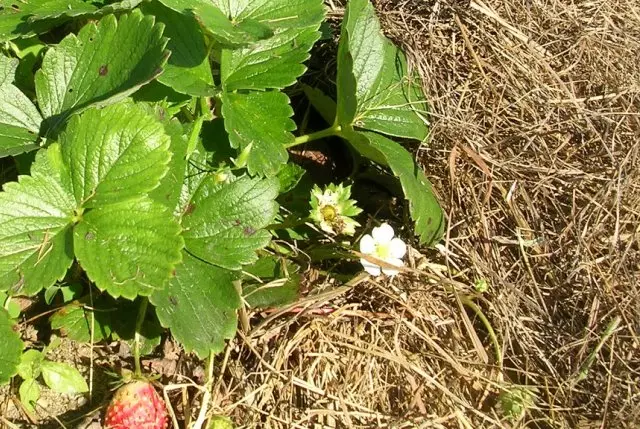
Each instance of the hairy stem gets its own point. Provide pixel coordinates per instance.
(204, 114)
(331, 131)
(142, 311)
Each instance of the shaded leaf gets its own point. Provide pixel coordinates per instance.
(423, 204)
(74, 321)
(188, 70)
(323, 104)
(69, 292)
(198, 306)
(10, 348)
(17, 19)
(280, 282)
(28, 17)
(130, 248)
(290, 176)
(103, 64)
(123, 324)
(273, 294)
(225, 221)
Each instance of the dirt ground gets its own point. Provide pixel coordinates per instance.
(534, 150)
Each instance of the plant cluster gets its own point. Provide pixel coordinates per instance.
(151, 145)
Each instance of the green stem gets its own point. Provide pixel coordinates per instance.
(492, 334)
(204, 113)
(331, 131)
(142, 312)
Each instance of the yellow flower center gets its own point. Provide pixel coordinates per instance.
(383, 250)
(328, 213)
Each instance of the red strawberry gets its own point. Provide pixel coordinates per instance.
(136, 405)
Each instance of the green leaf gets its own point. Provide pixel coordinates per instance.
(10, 348)
(280, 282)
(35, 220)
(290, 176)
(375, 91)
(114, 154)
(103, 64)
(28, 17)
(360, 57)
(273, 294)
(8, 67)
(19, 118)
(129, 248)
(397, 106)
(30, 52)
(197, 169)
(123, 324)
(275, 62)
(74, 321)
(63, 378)
(168, 192)
(224, 223)
(30, 364)
(423, 204)
(323, 104)
(29, 393)
(18, 18)
(167, 98)
(218, 24)
(262, 119)
(199, 306)
(69, 292)
(280, 286)
(188, 70)
(13, 307)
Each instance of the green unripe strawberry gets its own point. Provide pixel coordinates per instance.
(136, 405)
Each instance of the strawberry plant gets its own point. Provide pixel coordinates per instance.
(151, 143)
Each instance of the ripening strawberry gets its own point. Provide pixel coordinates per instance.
(136, 405)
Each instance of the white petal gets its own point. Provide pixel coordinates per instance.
(391, 271)
(326, 227)
(397, 248)
(367, 244)
(372, 269)
(383, 233)
(349, 226)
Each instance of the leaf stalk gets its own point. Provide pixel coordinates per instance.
(142, 312)
(329, 132)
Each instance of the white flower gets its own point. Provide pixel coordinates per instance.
(381, 245)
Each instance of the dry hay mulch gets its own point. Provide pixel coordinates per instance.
(534, 151)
